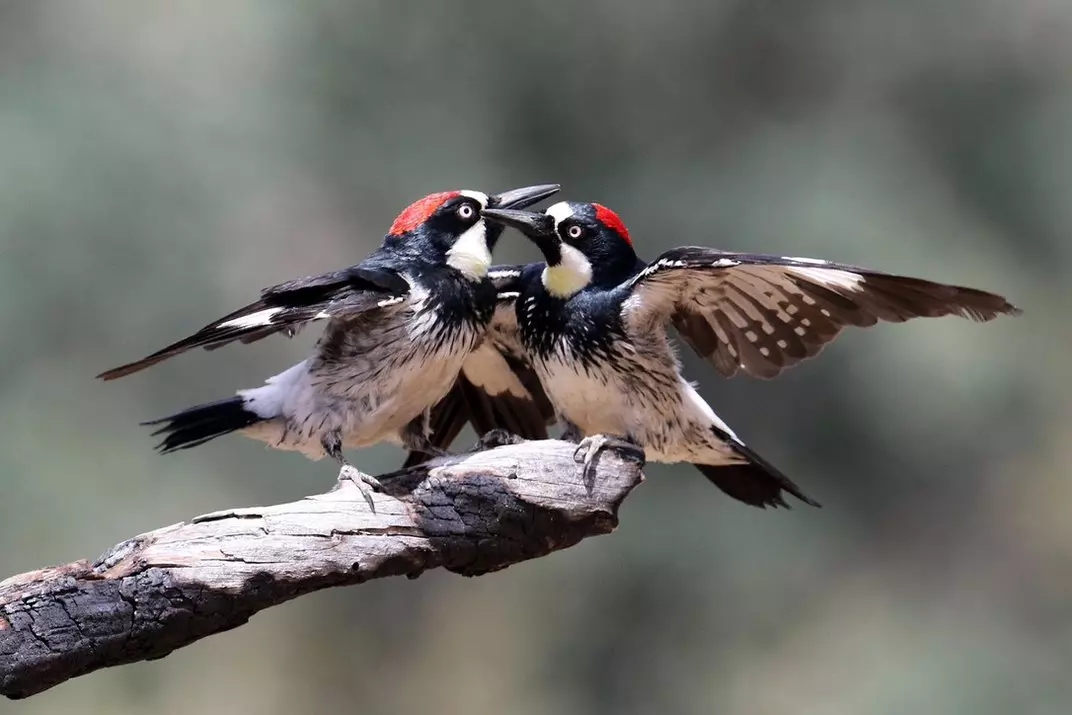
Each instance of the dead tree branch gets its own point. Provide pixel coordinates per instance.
(170, 587)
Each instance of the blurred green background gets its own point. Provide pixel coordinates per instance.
(162, 161)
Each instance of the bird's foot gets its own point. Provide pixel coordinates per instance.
(590, 448)
(366, 483)
(496, 438)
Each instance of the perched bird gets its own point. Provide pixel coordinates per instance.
(497, 389)
(593, 321)
(400, 326)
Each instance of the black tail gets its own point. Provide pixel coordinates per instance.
(199, 424)
(755, 482)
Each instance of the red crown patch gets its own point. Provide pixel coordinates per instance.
(418, 212)
(610, 219)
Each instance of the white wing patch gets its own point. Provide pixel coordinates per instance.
(486, 369)
(828, 276)
(814, 261)
(253, 320)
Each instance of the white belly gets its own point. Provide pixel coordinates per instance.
(673, 424)
(595, 402)
(369, 397)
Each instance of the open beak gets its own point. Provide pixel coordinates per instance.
(533, 225)
(522, 198)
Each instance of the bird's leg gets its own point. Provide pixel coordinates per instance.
(497, 437)
(416, 436)
(366, 483)
(591, 447)
(570, 431)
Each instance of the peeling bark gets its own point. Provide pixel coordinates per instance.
(162, 590)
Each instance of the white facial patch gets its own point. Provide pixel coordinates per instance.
(569, 276)
(253, 320)
(470, 254)
(559, 212)
(828, 276)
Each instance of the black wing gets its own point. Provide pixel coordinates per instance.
(497, 387)
(761, 314)
(287, 308)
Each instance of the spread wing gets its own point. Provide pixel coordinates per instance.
(287, 308)
(497, 387)
(761, 314)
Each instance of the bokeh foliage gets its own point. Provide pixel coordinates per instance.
(161, 161)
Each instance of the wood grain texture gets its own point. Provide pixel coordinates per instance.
(159, 591)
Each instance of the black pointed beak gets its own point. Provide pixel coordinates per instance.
(522, 198)
(533, 225)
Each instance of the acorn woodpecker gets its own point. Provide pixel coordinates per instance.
(497, 389)
(400, 326)
(594, 320)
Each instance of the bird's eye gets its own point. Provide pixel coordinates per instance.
(575, 231)
(466, 212)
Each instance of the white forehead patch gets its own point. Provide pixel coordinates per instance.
(477, 196)
(559, 212)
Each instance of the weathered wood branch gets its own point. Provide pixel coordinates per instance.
(167, 588)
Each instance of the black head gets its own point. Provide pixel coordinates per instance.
(448, 226)
(583, 243)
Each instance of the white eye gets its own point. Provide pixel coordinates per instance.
(466, 212)
(575, 231)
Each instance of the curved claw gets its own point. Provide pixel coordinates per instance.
(366, 483)
(591, 447)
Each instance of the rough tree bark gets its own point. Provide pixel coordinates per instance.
(167, 588)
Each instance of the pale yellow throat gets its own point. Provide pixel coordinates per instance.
(570, 276)
(470, 255)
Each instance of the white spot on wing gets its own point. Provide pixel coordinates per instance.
(253, 320)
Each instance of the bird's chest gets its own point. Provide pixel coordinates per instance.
(586, 361)
(575, 330)
(395, 365)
